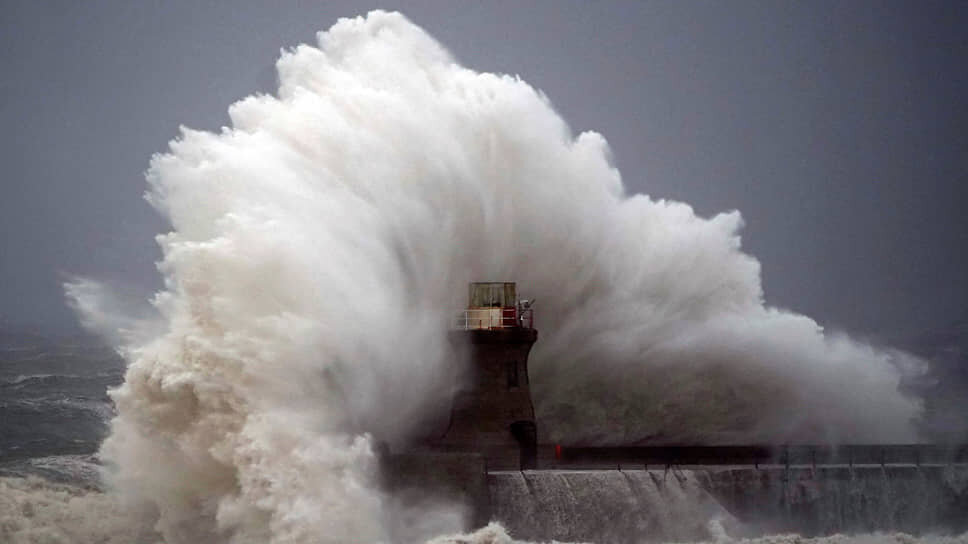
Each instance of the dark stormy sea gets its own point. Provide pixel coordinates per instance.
(54, 407)
(55, 411)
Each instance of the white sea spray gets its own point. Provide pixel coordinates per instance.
(320, 244)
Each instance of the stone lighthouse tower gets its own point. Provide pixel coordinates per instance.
(492, 413)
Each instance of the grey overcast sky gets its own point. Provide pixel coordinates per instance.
(839, 129)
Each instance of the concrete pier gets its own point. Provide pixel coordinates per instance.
(615, 498)
(677, 504)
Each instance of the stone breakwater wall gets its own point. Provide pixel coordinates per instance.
(825, 500)
(683, 504)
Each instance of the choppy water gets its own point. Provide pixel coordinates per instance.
(361, 197)
(54, 412)
(54, 407)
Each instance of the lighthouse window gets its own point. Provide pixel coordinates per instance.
(512, 374)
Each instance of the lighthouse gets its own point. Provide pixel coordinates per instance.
(491, 412)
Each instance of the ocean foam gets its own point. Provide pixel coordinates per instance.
(320, 244)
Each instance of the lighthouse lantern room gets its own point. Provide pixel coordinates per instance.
(495, 305)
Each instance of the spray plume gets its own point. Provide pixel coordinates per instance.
(321, 243)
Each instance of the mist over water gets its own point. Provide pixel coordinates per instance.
(321, 244)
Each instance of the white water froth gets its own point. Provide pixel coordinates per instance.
(320, 244)
(495, 534)
(35, 511)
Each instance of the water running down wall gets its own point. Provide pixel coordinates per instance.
(320, 243)
(607, 506)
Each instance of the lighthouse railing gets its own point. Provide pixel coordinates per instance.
(494, 318)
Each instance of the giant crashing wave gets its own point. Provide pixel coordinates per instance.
(320, 244)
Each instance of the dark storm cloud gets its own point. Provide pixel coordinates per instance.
(839, 130)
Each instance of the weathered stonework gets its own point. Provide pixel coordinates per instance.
(492, 413)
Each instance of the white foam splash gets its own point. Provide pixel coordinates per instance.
(36, 511)
(321, 243)
(495, 534)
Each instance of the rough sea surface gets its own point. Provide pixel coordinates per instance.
(54, 411)
(54, 407)
(319, 246)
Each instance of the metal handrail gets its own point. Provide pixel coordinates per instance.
(782, 455)
(485, 318)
